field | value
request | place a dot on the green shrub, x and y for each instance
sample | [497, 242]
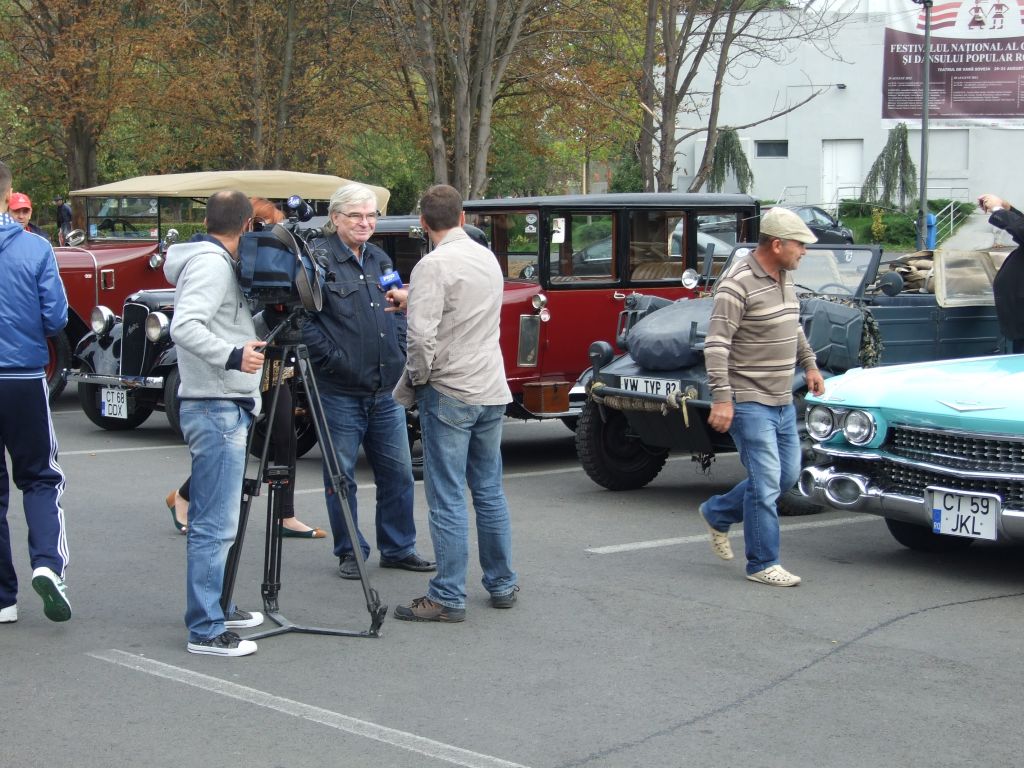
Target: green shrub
[899, 228]
[854, 209]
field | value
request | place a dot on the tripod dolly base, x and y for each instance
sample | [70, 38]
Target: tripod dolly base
[284, 626]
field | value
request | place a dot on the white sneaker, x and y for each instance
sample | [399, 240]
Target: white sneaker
[9, 615]
[224, 644]
[53, 590]
[243, 619]
[719, 541]
[775, 576]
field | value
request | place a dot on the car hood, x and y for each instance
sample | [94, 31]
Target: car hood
[982, 392]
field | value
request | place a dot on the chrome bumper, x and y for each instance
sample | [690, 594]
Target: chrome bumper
[857, 493]
[126, 382]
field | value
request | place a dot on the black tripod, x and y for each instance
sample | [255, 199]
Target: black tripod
[278, 355]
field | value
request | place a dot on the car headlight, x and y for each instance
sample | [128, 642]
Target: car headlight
[539, 301]
[690, 278]
[158, 327]
[101, 320]
[156, 259]
[859, 427]
[820, 422]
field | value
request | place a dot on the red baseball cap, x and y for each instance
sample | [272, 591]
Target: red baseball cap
[18, 201]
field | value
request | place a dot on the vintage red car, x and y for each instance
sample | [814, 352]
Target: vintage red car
[119, 250]
[571, 261]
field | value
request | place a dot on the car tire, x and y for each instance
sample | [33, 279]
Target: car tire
[921, 538]
[89, 399]
[610, 455]
[172, 405]
[59, 349]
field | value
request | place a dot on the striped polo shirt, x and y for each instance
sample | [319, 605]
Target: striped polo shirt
[754, 339]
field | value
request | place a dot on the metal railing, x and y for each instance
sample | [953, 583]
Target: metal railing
[947, 220]
[789, 195]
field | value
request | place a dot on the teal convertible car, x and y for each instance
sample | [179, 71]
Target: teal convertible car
[937, 449]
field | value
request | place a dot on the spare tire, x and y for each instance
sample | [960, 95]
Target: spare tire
[673, 337]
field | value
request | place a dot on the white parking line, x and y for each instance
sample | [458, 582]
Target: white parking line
[613, 549]
[132, 449]
[390, 736]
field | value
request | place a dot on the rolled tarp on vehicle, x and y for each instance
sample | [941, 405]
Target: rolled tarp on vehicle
[276, 185]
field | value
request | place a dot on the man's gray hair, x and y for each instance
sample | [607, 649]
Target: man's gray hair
[348, 195]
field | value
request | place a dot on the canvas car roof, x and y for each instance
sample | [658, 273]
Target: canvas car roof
[270, 184]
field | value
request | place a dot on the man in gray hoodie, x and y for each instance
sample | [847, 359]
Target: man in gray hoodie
[219, 359]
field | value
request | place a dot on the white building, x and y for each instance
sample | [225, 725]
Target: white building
[822, 152]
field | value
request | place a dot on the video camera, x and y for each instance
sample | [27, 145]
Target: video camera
[278, 265]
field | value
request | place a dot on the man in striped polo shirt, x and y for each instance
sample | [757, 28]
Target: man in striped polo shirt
[754, 340]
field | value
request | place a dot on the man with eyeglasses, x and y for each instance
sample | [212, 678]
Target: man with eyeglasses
[754, 341]
[358, 353]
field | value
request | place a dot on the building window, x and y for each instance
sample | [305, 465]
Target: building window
[772, 148]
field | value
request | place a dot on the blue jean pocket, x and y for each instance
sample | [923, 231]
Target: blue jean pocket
[455, 413]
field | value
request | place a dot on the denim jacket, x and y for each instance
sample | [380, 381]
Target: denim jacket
[356, 347]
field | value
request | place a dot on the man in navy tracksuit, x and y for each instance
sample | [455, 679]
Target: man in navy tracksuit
[32, 307]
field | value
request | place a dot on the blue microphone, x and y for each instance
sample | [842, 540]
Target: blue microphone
[389, 279]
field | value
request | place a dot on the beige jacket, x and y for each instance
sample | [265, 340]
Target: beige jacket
[454, 307]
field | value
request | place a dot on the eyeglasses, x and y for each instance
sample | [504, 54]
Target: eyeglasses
[357, 217]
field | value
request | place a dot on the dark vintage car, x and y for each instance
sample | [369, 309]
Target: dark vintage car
[650, 241]
[129, 365]
[852, 314]
[828, 229]
[123, 225]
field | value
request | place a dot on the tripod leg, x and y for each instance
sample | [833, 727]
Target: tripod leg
[373, 604]
[250, 489]
[271, 586]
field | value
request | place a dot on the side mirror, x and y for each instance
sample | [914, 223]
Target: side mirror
[891, 283]
[74, 238]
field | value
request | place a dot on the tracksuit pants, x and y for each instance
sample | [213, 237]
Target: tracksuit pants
[26, 435]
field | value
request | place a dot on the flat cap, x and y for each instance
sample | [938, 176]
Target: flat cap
[785, 225]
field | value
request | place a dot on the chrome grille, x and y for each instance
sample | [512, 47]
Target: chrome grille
[910, 480]
[958, 450]
[134, 345]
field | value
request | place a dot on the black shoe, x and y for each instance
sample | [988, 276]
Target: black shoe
[348, 568]
[411, 563]
[243, 619]
[224, 644]
[506, 600]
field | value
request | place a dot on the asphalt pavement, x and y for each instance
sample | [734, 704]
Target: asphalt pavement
[630, 645]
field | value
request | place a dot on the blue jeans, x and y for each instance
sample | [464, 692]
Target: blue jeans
[769, 446]
[216, 431]
[462, 443]
[378, 423]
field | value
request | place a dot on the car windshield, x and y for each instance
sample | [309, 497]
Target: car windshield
[140, 218]
[964, 278]
[831, 270]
